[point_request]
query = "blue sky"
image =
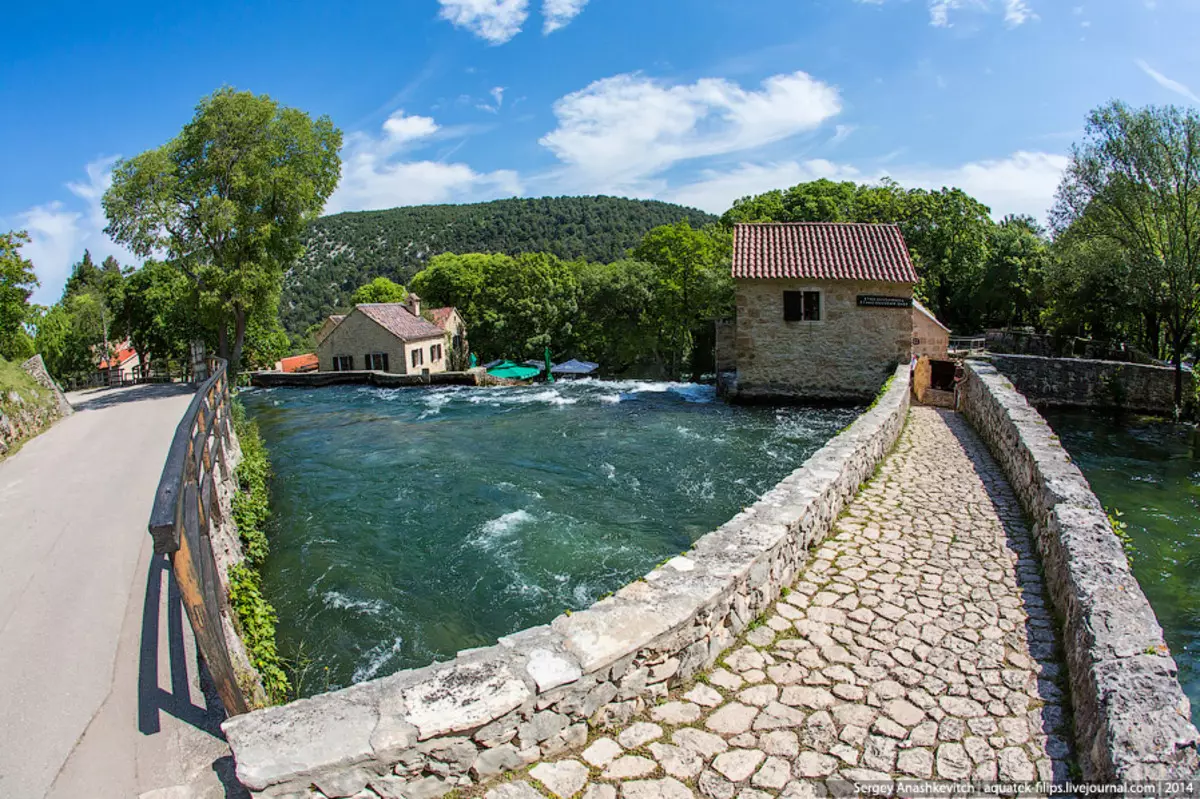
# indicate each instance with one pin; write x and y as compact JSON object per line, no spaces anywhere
{"x":693,"y":101}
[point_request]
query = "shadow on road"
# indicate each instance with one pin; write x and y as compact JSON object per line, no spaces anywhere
{"x":100,"y":398}
{"x":177,"y":701}
{"x":153,"y":699}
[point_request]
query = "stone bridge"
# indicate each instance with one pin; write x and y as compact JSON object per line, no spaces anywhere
{"x":933,"y":595}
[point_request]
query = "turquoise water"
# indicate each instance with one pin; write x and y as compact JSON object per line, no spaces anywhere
{"x":409,"y":524}
{"x":1150,"y":471}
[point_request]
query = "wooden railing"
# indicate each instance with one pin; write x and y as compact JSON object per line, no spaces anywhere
{"x":186,"y":508}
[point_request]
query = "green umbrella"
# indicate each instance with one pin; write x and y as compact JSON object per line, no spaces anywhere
{"x":549,"y":374}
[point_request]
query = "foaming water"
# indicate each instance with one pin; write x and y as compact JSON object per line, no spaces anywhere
{"x":1150,"y":471}
{"x":410,"y":524}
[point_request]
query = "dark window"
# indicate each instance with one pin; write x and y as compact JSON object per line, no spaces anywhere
{"x":377,"y":361}
{"x":801,"y":306}
{"x":418,"y":357}
{"x":343,"y":363}
{"x":435,"y":353}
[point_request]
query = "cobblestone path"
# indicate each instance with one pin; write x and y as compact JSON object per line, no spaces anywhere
{"x":917,"y":645}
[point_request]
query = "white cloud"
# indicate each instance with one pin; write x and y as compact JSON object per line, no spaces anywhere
{"x":1167,"y":83}
{"x":495,"y":21}
{"x":1017,"y":12}
{"x":375,"y":175}
{"x":715,"y":191}
{"x":497,"y":95}
{"x":1023,"y":183}
{"x":559,"y":13}
{"x":60,"y":231}
{"x":401,"y":129}
{"x":620,"y":131}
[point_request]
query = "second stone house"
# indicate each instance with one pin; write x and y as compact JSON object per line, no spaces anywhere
{"x":383,"y":337}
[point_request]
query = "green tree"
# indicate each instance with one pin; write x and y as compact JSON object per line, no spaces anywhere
{"x":1135,"y":183}
{"x":228,"y":200}
{"x":1009,"y":291}
{"x":163,"y":312}
{"x":615,"y":326}
{"x":693,"y":286}
{"x":379,"y":290}
{"x":513,"y":307}
{"x":17,"y":282}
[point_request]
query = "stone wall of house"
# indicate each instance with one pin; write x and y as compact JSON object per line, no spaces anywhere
{"x":24,"y":414}
{"x":929,"y":338}
{"x":844,"y":356}
{"x":536,"y":693}
{"x":1132,"y":720}
{"x":1094,"y":384}
{"x":358,"y":335}
{"x":726,"y":348}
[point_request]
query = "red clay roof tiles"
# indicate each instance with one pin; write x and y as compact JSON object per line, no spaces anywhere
{"x":821,"y":251}
{"x":399,"y":321}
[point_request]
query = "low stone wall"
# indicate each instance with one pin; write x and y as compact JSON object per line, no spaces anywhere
{"x":1094,"y":384}
{"x":1132,"y":720}
{"x":473,"y":377}
{"x":25,"y":413}
{"x":420,"y":733}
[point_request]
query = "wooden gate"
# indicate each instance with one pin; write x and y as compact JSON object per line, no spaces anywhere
{"x":186,"y":508}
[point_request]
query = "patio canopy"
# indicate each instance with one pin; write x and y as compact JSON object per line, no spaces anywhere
{"x":574,"y":367}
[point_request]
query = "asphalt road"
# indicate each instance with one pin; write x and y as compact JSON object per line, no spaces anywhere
{"x":100,"y":693}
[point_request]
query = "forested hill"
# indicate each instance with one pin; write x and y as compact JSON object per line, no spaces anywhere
{"x":344,"y":251}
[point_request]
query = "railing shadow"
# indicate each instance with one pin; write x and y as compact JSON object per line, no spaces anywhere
{"x":101,"y":398}
{"x":177,"y":701}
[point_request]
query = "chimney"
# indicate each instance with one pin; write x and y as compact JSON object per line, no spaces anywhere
{"x":414,"y":304}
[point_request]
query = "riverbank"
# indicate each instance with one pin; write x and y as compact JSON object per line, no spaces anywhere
{"x":472,"y":377}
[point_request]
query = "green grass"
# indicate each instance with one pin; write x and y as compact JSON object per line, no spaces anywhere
{"x":255,"y":615}
{"x":15,"y":379}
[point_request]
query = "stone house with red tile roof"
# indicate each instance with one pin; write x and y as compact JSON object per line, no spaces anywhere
{"x":384,"y":337}
{"x":449,"y":320}
{"x":124,"y":366}
{"x":824,"y":310}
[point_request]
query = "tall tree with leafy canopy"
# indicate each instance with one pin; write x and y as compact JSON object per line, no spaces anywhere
{"x":380,"y":289}
{"x":227,"y":201}
{"x":17,"y":282}
{"x":693,"y":286}
{"x":1135,"y":182}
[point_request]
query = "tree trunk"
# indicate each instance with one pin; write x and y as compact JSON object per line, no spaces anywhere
{"x":1177,"y":360}
{"x":239,"y":338}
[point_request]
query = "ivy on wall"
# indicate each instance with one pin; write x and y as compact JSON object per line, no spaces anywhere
{"x":254,"y":614}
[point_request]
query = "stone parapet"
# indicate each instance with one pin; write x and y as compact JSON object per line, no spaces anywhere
{"x":423,"y":732}
{"x":1132,"y":719}
{"x":1076,"y":382}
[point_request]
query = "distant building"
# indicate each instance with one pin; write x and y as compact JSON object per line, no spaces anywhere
{"x":930,"y":337}
{"x":449,"y":320}
{"x":824,"y":311}
{"x":384,"y":337}
{"x":125,"y":366}
{"x":330,"y":323}
{"x":299,"y":363}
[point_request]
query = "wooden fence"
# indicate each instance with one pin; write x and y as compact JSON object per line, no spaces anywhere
{"x":186,"y":508}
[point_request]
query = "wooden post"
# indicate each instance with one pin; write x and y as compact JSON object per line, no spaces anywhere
{"x":188,"y":567}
